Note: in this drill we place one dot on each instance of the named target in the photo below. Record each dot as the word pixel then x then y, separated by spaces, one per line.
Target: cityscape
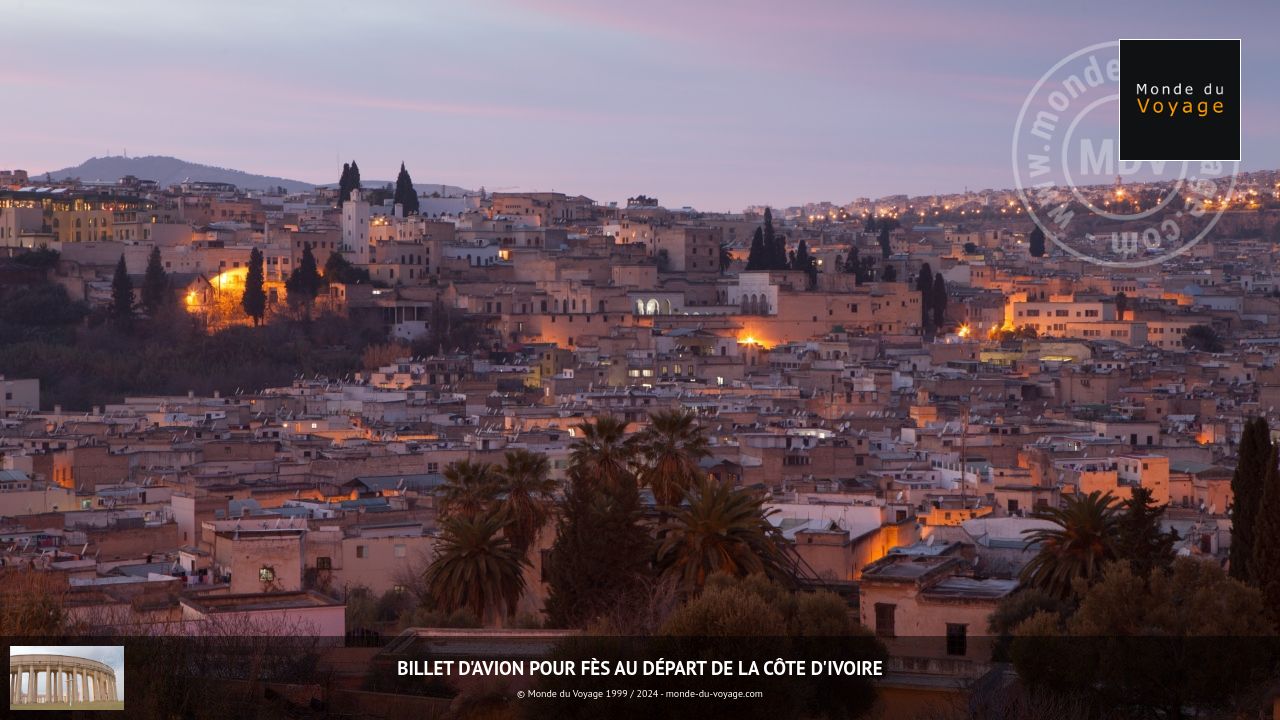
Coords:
pixel 365 446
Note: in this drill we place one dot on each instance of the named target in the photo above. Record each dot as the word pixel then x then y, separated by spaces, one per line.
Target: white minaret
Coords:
pixel 355 229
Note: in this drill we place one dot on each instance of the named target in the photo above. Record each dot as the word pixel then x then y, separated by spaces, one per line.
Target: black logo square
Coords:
pixel 1180 100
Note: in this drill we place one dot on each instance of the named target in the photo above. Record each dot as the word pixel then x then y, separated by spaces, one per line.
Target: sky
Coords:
pixel 707 103
pixel 112 655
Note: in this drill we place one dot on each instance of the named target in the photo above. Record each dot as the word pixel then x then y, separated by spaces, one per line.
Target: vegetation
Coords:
pixel 1186 639
pixel 602 555
pixel 721 529
pixel 1246 486
pixel 406 196
pixel 254 300
pixel 671 448
pixel 526 496
pixel 1139 538
pixel 1203 338
pixel 1083 541
pixel 476 566
pixel 469 489
pixel 349 181
pixel 156 292
pixel 304 283
pixel 938 300
pixel 602 456
pixel 1035 242
pixel 768 250
pixel 1265 566
pixel 338 269
pixel 121 307
pixel 924 285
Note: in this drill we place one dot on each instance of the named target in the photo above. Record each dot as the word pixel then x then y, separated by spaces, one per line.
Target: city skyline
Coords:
pixel 681 102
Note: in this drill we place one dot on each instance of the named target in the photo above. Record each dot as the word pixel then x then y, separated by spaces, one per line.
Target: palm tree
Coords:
pixel 720 529
pixel 469 488
pixel 671 447
pixel 525 495
pixel 1083 541
pixel 602 454
pixel 476 566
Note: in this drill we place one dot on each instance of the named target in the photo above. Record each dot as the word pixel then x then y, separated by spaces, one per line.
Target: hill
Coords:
pixel 168 171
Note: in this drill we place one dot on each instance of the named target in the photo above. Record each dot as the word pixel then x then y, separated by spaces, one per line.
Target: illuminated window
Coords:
pixel 267 574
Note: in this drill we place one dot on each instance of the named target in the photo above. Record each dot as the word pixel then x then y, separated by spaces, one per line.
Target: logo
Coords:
pixel 1085 199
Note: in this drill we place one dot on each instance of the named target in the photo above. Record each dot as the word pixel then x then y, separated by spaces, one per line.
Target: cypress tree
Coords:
pixel 939 300
pixel 155 284
pixel 1246 487
pixel 1140 540
pixel 304 282
pixel 355 176
pixel 601 555
pixel 121 307
pixel 775 247
pixel 1036 242
pixel 344 183
pixel 885 249
pixel 405 195
pixel 1265 564
pixel 254 300
pixel 756 259
pixel 924 285
pixel 889 274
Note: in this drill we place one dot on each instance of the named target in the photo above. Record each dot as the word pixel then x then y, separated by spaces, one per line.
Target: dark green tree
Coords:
pixel 938 300
pixel 476 566
pixel 885 248
pixel 304 282
pixel 1140 539
pixel 756 260
pixel 1035 242
pixel 1246 489
pixel 406 196
pixel 889 274
pixel 775 247
pixel 338 270
pixel 1122 304
pixel 155 284
pixel 1082 542
pixel 1266 540
pixel 121 307
pixel 1202 337
pixel 254 299
pixel 924 285
pixel 601 556
pixel 970 249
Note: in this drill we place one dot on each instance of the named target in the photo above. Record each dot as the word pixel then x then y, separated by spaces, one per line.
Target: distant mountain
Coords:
pixel 168 171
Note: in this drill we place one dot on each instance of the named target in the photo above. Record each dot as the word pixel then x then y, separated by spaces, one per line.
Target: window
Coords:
pixel 267 574
pixel 360 551
pixel 884 619
pixel 957 639
pixel 324 563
